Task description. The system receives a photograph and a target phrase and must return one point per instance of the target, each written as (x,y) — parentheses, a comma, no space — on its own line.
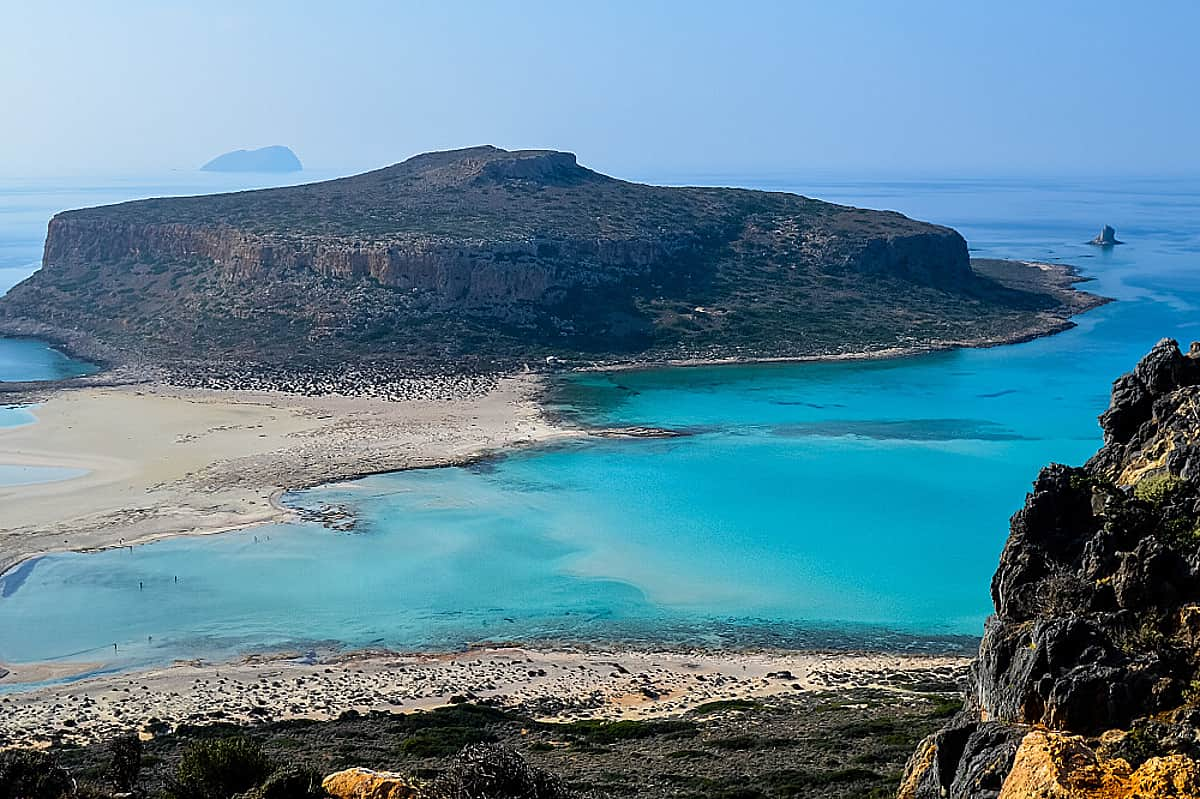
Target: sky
(919,86)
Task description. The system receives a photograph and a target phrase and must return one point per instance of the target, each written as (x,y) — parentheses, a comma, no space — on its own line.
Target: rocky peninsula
(1087,682)
(488,260)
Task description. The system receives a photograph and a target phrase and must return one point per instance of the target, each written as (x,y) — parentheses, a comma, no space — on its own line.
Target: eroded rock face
(1097,621)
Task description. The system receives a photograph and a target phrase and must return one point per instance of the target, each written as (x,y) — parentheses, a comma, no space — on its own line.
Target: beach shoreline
(554,684)
(163,461)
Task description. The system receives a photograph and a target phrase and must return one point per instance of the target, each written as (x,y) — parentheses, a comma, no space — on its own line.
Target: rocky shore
(1087,682)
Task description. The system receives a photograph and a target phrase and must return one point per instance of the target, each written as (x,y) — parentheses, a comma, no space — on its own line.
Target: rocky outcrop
(362,783)
(1050,765)
(505,258)
(1096,633)
(1107,237)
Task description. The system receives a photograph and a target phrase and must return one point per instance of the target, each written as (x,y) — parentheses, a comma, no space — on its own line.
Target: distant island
(485,259)
(275,158)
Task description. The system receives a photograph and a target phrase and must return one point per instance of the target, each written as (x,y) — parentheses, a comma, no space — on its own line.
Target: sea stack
(1107,237)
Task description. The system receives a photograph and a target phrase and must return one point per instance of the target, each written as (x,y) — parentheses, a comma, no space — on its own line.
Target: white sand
(555,685)
(163,461)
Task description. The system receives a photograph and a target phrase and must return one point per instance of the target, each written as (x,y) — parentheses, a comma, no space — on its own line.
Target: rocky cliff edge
(1087,682)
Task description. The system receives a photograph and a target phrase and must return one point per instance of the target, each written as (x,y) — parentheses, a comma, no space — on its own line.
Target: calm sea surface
(848,504)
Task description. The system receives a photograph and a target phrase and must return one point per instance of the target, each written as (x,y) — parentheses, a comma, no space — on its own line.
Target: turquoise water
(847,504)
(26,359)
(13,475)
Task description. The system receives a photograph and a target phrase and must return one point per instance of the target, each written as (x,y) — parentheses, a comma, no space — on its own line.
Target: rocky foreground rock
(1087,682)
(498,259)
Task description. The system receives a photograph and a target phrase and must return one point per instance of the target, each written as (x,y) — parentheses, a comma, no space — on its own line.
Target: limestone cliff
(1087,682)
(506,257)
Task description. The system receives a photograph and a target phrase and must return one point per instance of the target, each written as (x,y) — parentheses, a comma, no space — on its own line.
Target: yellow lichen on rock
(362,783)
(1054,766)
(924,759)
(1174,776)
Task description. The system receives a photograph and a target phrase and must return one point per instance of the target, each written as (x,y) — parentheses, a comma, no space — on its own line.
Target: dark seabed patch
(901,430)
(11,581)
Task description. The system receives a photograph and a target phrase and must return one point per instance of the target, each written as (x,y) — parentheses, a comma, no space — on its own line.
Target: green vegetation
(607,732)
(32,775)
(725,705)
(1156,488)
(486,259)
(218,768)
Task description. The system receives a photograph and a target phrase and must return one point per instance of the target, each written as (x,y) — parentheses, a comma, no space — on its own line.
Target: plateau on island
(484,259)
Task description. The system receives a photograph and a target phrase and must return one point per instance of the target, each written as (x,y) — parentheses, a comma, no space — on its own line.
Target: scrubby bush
(219,768)
(293,782)
(125,762)
(27,774)
(487,771)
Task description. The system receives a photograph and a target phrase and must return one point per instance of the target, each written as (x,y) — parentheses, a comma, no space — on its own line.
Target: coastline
(423,423)
(1057,280)
(164,461)
(553,684)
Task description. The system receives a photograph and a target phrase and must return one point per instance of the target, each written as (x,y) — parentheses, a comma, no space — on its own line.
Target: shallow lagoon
(812,504)
(24,359)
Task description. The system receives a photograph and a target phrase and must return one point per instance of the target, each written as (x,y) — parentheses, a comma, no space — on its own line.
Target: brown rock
(1175,776)
(1050,765)
(362,783)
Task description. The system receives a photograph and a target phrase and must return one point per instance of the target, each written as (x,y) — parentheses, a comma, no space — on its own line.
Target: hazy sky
(633,87)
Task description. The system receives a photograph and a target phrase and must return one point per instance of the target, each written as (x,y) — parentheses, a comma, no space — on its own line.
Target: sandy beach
(551,685)
(164,461)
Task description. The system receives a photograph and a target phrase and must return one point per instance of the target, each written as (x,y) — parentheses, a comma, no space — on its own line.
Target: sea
(836,505)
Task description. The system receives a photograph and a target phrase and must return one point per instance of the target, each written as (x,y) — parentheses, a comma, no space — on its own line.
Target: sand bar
(164,461)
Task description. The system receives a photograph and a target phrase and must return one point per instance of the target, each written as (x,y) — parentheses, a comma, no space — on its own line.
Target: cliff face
(1096,635)
(503,257)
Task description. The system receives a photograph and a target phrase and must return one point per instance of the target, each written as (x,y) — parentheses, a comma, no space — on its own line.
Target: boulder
(362,783)
(1054,766)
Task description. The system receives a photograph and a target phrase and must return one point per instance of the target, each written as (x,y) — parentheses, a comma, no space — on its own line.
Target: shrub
(487,771)
(297,782)
(26,774)
(218,769)
(125,762)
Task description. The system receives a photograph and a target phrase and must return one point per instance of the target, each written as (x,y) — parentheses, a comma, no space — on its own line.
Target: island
(275,158)
(483,259)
